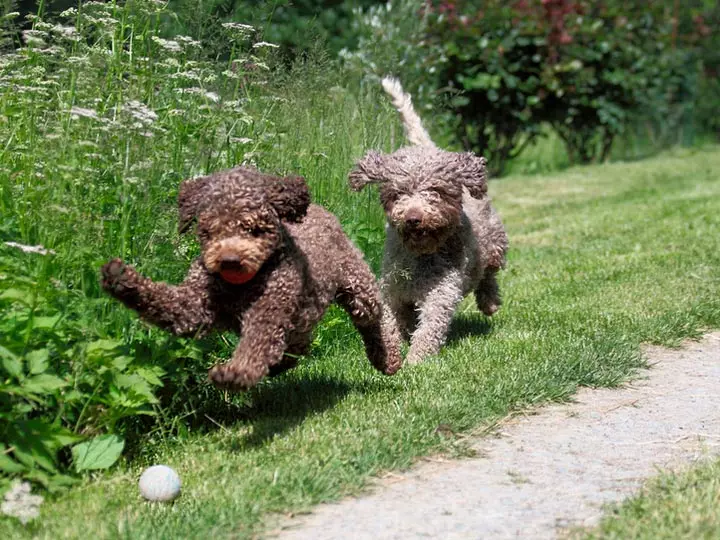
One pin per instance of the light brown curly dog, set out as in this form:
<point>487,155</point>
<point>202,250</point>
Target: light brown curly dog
<point>270,266</point>
<point>444,239</point>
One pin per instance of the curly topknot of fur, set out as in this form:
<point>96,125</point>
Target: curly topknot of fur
<point>271,264</point>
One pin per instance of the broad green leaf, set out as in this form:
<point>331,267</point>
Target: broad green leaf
<point>97,453</point>
<point>45,323</point>
<point>10,362</point>
<point>102,345</point>
<point>33,443</point>
<point>18,295</point>
<point>65,437</point>
<point>43,383</point>
<point>136,384</point>
<point>151,374</point>
<point>37,361</point>
<point>7,464</point>
<point>121,362</point>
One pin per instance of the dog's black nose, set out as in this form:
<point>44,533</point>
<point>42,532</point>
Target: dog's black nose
<point>230,258</point>
<point>230,261</point>
<point>413,218</point>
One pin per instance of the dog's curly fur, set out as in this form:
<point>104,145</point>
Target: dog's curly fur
<point>444,240</point>
<point>271,264</point>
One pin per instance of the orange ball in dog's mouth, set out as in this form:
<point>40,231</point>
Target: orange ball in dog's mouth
<point>236,277</point>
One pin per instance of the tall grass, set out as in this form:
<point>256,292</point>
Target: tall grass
<point>101,117</point>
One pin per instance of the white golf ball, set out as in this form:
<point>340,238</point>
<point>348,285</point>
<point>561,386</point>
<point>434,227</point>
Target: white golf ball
<point>159,483</point>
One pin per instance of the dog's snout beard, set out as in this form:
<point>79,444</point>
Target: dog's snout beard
<point>421,240</point>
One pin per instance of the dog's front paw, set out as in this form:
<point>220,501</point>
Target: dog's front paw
<point>235,377</point>
<point>119,279</point>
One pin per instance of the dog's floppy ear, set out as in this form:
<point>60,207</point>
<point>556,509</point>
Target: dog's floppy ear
<point>289,196</point>
<point>371,169</point>
<point>190,195</point>
<point>471,171</point>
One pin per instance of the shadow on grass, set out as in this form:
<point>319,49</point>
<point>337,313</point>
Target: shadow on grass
<point>468,325</point>
<point>283,403</point>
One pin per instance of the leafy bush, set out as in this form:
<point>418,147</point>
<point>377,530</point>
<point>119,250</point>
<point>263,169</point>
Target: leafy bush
<point>586,68</point>
<point>61,382</point>
<point>582,67</point>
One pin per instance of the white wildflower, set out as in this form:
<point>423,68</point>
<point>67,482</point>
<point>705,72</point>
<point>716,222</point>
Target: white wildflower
<point>85,113</point>
<point>240,140</point>
<point>69,12</point>
<point>211,96</point>
<point>230,74</point>
<point>142,165</point>
<point>141,113</point>
<point>41,26</point>
<point>40,250</point>
<point>34,38</point>
<point>65,31</point>
<point>167,44</point>
<point>20,503</point>
<point>102,6</point>
<point>78,60</point>
<point>10,16</point>
<point>260,44</point>
<point>238,26</point>
<point>191,75</point>
<point>188,41</point>
<point>53,50</point>
<point>169,62</point>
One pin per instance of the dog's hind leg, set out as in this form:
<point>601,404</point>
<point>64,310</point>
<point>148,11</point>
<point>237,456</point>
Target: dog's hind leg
<point>360,297</point>
<point>487,293</point>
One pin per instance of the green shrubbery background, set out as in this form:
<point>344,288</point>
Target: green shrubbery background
<point>106,106</point>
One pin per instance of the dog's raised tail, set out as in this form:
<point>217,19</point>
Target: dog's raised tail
<point>414,129</point>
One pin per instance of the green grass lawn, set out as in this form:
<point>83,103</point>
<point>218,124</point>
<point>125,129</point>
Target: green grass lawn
<point>672,506</point>
<point>602,259</point>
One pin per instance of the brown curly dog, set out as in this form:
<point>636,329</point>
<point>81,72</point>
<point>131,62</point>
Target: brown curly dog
<point>270,266</point>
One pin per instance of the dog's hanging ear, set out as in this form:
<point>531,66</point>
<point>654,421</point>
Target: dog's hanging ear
<point>371,169</point>
<point>471,171</point>
<point>190,195</point>
<point>289,196</point>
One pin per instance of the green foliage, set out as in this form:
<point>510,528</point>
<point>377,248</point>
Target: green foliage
<point>590,70</point>
<point>295,25</point>
<point>578,66</point>
<point>60,381</point>
<point>83,141</point>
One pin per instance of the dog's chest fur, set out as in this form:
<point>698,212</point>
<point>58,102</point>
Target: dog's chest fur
<point>408,276</point>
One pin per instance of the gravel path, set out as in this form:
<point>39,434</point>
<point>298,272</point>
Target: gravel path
<point>550,470</point>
